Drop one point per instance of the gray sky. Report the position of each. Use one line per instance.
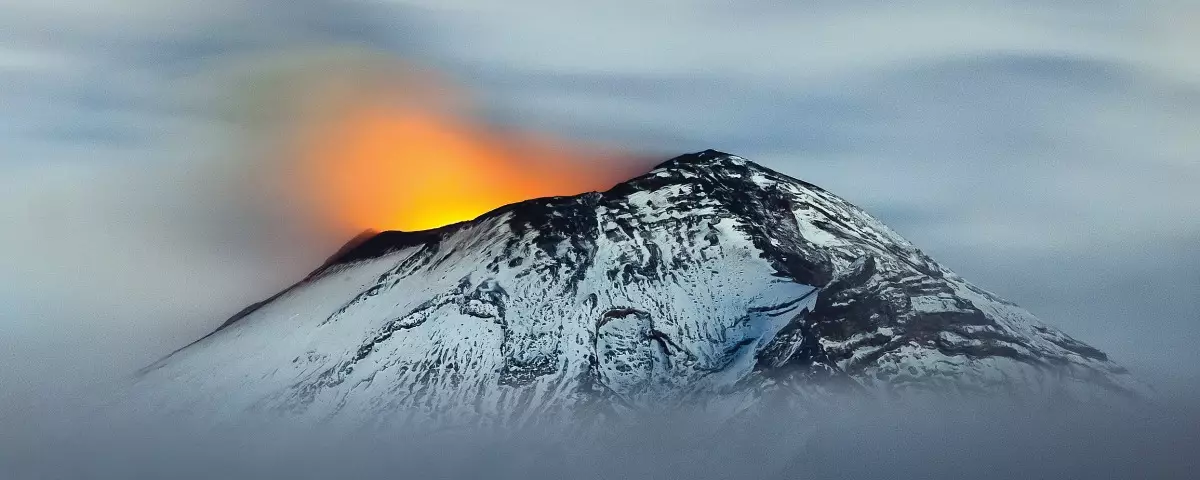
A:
(1047, 151)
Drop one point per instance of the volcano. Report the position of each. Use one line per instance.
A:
(708, 279)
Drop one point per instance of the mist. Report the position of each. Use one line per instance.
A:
(1047, 153)
(846, 438)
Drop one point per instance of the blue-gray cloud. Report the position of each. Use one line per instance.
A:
(1047, 151)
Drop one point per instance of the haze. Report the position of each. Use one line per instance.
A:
(1047, 151)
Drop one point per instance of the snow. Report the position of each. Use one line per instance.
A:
(670, 297)
(934, 304)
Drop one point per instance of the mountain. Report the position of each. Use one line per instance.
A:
(708, 279)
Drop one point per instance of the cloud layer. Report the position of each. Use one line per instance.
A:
(850, 439)
(1046, 151)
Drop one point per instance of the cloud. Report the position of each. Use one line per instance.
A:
(853, 438)
(1045, 151)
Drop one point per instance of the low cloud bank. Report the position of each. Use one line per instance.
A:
(853, 439)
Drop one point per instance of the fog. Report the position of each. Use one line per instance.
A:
(1045, 151)
(849, 438)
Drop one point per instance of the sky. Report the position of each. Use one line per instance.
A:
(1046, 151)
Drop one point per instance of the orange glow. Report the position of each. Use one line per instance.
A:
(376, 162)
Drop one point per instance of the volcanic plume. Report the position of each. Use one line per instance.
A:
(398, 149)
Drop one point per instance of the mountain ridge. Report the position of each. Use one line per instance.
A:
(708, 275)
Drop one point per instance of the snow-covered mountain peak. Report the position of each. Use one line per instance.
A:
(710, 279)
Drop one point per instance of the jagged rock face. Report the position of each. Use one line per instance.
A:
(708, 277)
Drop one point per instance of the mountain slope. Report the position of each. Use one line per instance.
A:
(708, 277)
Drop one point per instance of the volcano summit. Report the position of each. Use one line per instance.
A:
(709, 279)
